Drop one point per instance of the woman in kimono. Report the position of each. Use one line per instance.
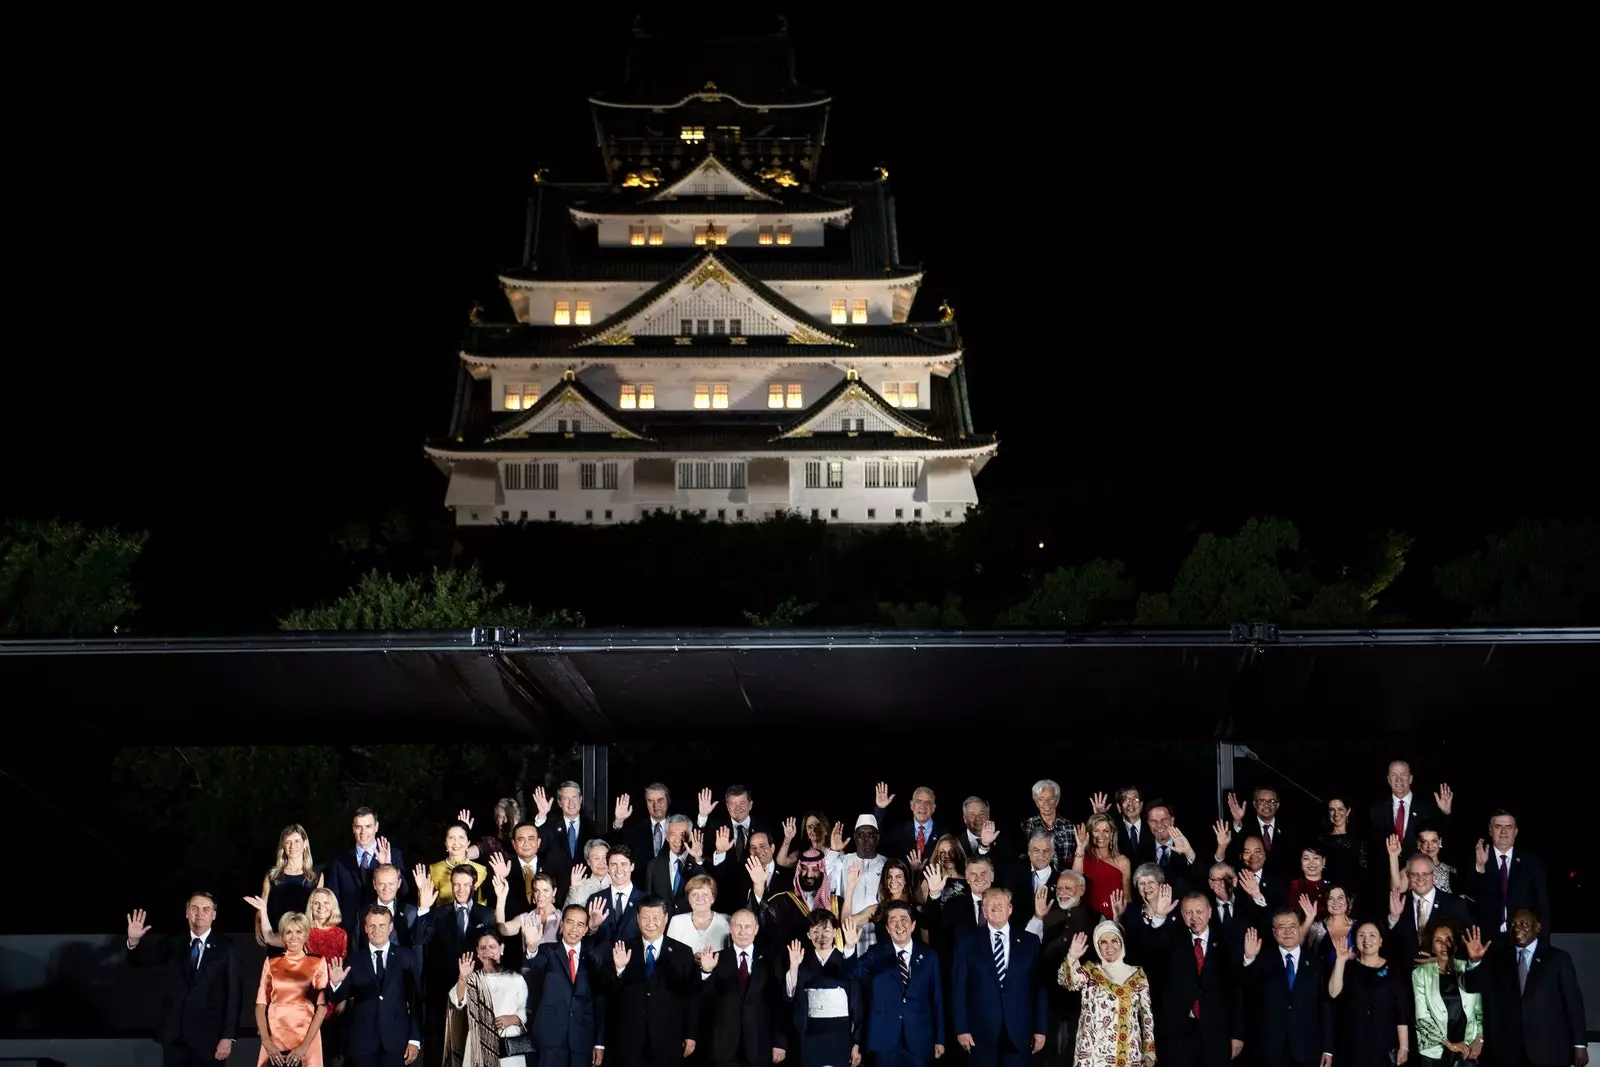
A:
(828, 1012)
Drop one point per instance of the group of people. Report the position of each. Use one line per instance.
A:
(719, 938)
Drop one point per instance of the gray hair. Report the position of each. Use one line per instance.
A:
(967, 803)
(1046, 783)
(594, 843)
(1149, 870)
(570, 785)
(1042, 835)
(924, 789)
(676, 819)
(1076, 877)
(659, 787)
(1226, 868)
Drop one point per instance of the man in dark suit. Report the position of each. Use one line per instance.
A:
(1171, 850)
(1000, 1013)
(566, 1014)
(1288, 1021)
(1201, 1021)
(614, 912)
(671, 870)
(382, 981)
(1134, 839)
(386, 882)
(645, 835)
(918, 834)
(1258, 885)
(1406, 814)
(1039, 872)
(1508, 879)
(525, 866)
(562, 837)
(905, 1020)
(1537, 1015)
(652, 995)
(728, 853)
(446, 933)
(349, 873)
(1279, 847)
(961, 916)
(743, 998)
(199, 976)
(1412, 911)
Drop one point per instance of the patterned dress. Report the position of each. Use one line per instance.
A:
(1116, 1028)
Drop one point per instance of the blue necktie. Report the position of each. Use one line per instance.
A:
(572, 839)
(462, 912)
(649, 962)
(1288, 970)
(674, 877)
(194, 955)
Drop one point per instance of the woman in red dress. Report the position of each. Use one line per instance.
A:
(1311, 884)
(1103, 868)
(326, 937)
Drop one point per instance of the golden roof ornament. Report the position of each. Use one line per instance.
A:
(645, 178)
(540, 174)
(850, 374)
(781, 176)
(475, 313)
(569, 375)
(881, 172)
(947, 313)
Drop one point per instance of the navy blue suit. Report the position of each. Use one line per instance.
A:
(1001, 1020)
(352, 886)
(1284, 1027)
(566, 1019)
(902, 1025)
(382, 1019)
(616, 927)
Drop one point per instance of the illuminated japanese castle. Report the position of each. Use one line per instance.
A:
(713, 329)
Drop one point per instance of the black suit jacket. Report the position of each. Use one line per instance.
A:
(1421, 814)
(382, 1017)
(639, 835)
(403, 933)
(899, 836)
(1144, 851)
(745, 1025)
(1182, 875)
(1541, 1023)
(199, 1009)
(352, 886)
(439, 935)
(1283, 1025)
(1401, 939)
(1215, 987)
(1526, 887)
(659, 881)
(1284, 858)
(648, 1018)
(556, 858)
(615, 926)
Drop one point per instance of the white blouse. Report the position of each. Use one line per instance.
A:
(508, 995)
(714, 937)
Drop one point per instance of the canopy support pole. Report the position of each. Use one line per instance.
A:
(597, 783)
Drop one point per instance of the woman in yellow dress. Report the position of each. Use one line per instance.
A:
(1116, 1028)
(456, 839)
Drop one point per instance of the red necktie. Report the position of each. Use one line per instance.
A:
(922, 839)
(572, 965)
(1266, 839)
(1400, 820)
(1199, 968)
(744, 973)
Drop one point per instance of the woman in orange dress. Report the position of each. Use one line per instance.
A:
(1104, 869)
(289, 1003)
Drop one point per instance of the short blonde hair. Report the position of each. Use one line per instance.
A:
(294, 920)
(700, 881)
(334, 918)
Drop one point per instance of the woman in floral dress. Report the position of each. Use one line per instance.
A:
(1116, 1028)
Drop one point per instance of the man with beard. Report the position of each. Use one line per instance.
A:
(1066, 918)
(786, 916)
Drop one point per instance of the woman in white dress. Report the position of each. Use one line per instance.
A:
(495, 1003)
(700, 928)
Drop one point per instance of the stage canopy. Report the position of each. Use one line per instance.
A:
(603, 686)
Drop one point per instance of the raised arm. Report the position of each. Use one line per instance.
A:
(265, 935)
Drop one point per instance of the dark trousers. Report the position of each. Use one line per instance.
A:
(902, 1057)
(188, 1056)
(378, 1059)
(1005, 1056)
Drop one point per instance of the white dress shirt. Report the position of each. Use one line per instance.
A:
(1005, 941)
(1394, 807)
(866, 894)
(733, 830)
(644, 950)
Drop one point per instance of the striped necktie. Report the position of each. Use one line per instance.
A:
(905, 969)
(999, 958)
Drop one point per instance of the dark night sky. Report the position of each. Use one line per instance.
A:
(1335, 270)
